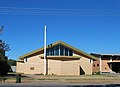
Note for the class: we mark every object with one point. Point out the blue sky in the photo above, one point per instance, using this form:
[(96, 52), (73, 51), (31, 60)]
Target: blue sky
[(89, 25)]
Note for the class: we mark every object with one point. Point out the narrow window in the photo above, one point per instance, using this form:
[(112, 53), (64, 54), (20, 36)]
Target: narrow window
[(56, 50), (66, 51), (52, 51), (94, 65), (25, 60), (61, 50), (97, 65), (90, 60), (47, 52)]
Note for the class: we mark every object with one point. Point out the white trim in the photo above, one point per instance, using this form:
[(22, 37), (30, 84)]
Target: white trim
[(59, 50), (68, 52)]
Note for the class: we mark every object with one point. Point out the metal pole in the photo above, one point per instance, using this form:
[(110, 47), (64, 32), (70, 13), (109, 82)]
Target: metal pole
[(100, 65), (45, 71)]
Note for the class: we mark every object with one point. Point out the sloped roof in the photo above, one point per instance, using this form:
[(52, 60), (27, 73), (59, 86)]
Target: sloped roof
[(110, 54), (62, 43)]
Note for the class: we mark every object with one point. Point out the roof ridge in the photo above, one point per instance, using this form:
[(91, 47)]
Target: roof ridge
[(63, 43)]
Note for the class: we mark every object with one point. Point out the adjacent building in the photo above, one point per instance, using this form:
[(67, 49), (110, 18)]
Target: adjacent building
[(62, 59), (106, 63)]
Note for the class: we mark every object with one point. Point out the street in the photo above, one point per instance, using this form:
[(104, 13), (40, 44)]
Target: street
[(47, 84)]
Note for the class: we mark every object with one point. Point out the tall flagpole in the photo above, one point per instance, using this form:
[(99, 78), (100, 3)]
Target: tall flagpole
[(45, 71)]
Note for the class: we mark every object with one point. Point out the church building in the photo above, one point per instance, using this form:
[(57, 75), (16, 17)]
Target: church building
[(61, 59)]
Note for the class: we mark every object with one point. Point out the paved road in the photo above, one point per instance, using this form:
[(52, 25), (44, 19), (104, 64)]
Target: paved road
[(56, 85)]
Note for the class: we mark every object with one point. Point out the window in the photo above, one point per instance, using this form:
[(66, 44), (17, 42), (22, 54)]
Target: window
[(97, 65), (70, 52), (94, 65), (31, 68), (25, 60), (90, 61), (59, 50), (47, 51), (52, 51), (66, 51), (56, 50)]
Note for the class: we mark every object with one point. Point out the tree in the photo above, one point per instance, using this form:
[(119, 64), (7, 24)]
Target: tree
[(4, 66), (3, 48), (12, 62)]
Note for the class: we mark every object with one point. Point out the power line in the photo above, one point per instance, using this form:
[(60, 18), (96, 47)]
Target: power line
[(50, 11)]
